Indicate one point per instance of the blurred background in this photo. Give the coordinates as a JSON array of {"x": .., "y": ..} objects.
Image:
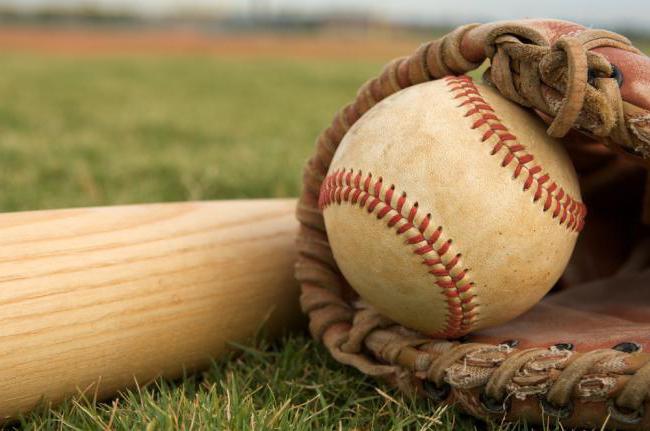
[{"x": 117, "y": 101}]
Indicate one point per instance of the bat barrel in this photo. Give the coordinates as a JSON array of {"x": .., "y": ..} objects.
[{"x": 112, "y": 295}]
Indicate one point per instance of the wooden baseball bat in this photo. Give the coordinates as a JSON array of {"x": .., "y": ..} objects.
[{"x": 109, "y": 295}]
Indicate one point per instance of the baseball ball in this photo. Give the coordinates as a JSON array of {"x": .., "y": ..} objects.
[{"x": 449, "y": 209}]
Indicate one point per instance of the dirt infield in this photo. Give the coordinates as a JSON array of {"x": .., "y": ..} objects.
[{"x": 179, "y": 42}]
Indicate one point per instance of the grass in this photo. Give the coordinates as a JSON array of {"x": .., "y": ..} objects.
[
  {"x": 114, "y": 130},
  {"x": 293, "y": 385},
  {"x": 97, "y": 131}
]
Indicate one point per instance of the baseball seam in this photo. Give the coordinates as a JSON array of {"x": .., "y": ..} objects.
[
  {"x": 426, "y": 239},
  {"x": 570, "y": 212}
]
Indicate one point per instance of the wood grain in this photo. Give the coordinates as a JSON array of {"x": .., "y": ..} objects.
[{"x": 111, "y": 294}]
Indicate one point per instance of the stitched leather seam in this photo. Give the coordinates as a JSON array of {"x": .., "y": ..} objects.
[
  {"x": 570, "y": 212},
  {"x": 426, "y": 239}
]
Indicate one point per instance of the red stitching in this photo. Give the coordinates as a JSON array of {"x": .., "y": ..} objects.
[
  {"x": 446, "y": 267},
  {"x": 571, "y": 213}
]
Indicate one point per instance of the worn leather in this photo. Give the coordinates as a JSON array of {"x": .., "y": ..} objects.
[
  {"x": 635, "y": 88},
  {"x": 594, "y": 315},
  {"x": 636, "y": 83}
]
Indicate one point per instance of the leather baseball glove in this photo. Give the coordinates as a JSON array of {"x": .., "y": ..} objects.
[{"x": 578, "y": 355}]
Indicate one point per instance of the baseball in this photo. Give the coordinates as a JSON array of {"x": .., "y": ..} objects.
[{"x": 449, "y": 209}]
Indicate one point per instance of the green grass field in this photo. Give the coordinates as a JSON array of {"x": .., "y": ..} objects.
[
  {"x": 103, "y": 130},
  {"x": 109, "y": 130}
]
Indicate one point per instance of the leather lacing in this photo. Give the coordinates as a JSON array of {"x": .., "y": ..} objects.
[
  {"x": 578, "y": 90},
  {"x": 555, "y": 80}
]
